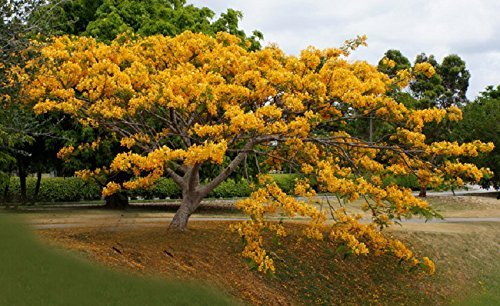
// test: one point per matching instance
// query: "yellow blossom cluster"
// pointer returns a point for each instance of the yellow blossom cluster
(454, 113)
(459, 171)
(455, 149)
(270, 199)
(110, 189)
(414, 139)
(418, 118)
(425, 68)
(129, 142)
(64, 152)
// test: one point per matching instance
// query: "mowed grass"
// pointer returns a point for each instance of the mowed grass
(34, 274)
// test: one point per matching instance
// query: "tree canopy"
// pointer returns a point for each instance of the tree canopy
(481, 120)
(105, 19)
(179, 104)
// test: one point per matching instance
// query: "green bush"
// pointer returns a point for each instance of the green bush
(55, 189)
(164, 188)
(74, 189)
(231, 189)
(167, 188)
(408, 181)
(285, 181)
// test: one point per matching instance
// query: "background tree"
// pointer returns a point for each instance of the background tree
(426, 91)
(481, 120)
(455, 80)
(444, 89)
(393, 62)
(24, 134)
(105, 19)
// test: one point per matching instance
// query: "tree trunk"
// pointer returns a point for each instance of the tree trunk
(5, 197)
(22, 181)
(117, 200)
(37, 185)
(188, 207)
(423, 192)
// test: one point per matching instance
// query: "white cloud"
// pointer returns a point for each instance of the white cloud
(470, 29)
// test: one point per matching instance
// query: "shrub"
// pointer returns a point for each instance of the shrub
(55, 189)
(285, 181)
(231, 189)
(408, 181)
(164, 188)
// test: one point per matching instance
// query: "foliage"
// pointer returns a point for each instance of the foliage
(285, 181)
(406, 181)
(455, 78)
(164, 188)
(393, 62)
(105, 19)
(445, 87)
(231, 189)
(481, 120)
(179, 103)
(426, 90)
(56, 189)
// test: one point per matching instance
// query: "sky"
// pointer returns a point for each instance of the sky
(469, 28)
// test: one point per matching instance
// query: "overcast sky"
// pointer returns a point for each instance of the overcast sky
(469, 28)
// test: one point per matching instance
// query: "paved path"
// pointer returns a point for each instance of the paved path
(471, 190)
(149, 221)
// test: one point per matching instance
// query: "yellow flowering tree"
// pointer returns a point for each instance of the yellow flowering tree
(181, 103)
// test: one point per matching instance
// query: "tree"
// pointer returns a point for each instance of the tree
(105, 19)
(444, 88)
(455, 80)
(179, 104)
(23, 133)
(426, 90)
(393, 62)
(481, 121)
(448, 87)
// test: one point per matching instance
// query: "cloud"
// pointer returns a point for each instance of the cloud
(470, 29)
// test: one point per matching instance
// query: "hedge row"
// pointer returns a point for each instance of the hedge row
(55, 189)
(408, 181)
(74, 189)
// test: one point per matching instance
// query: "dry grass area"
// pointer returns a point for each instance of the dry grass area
(466, 206)
(467, 257)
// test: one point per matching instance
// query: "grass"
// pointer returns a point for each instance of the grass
(308, 272)
(33, 274)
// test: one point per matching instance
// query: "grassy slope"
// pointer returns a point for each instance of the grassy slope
(467, 258)
(32, 274)
(309, 272)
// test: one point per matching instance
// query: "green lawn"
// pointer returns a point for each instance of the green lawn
(32, 274)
